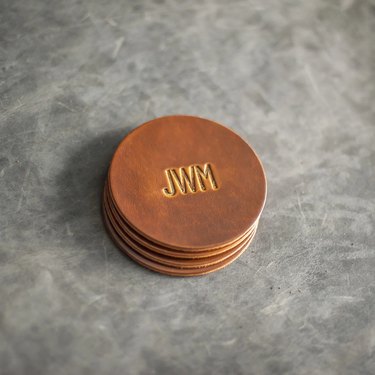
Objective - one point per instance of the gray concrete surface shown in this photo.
(294, 78)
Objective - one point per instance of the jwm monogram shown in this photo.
(189, 180)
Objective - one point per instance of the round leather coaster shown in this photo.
(169, 270)
(187, 183)
(168, 260)
(124, 230)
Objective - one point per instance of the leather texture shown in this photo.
(194, 220)
(183, 196)
(191, 253)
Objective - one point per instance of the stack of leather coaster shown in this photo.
(183, 195)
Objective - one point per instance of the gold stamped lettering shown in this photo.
(206, 173)
(186, 179)
(172, 190)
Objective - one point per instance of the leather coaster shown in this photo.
(125, 242)
(183, 195)
(171, 260)
(165, 269)
(129, 232)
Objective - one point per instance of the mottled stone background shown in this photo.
(295, 78)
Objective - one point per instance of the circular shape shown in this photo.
(187, 183)
(125, 230)
(169, 270)
(183, 196)
(192, 262)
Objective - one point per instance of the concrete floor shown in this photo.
(295, 79)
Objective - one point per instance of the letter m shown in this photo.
(204, 175)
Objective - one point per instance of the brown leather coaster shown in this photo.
(183, 195)
(124, 242)
(171, 260)
(169, 270)
(127, 231)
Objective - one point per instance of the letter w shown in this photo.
(183, 180)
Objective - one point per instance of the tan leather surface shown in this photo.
(191, 253)
(152, 155)
(168, 260)
(168, 256)
(170, 270)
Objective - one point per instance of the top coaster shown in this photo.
(187, 183)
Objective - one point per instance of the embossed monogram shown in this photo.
(189, 180)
